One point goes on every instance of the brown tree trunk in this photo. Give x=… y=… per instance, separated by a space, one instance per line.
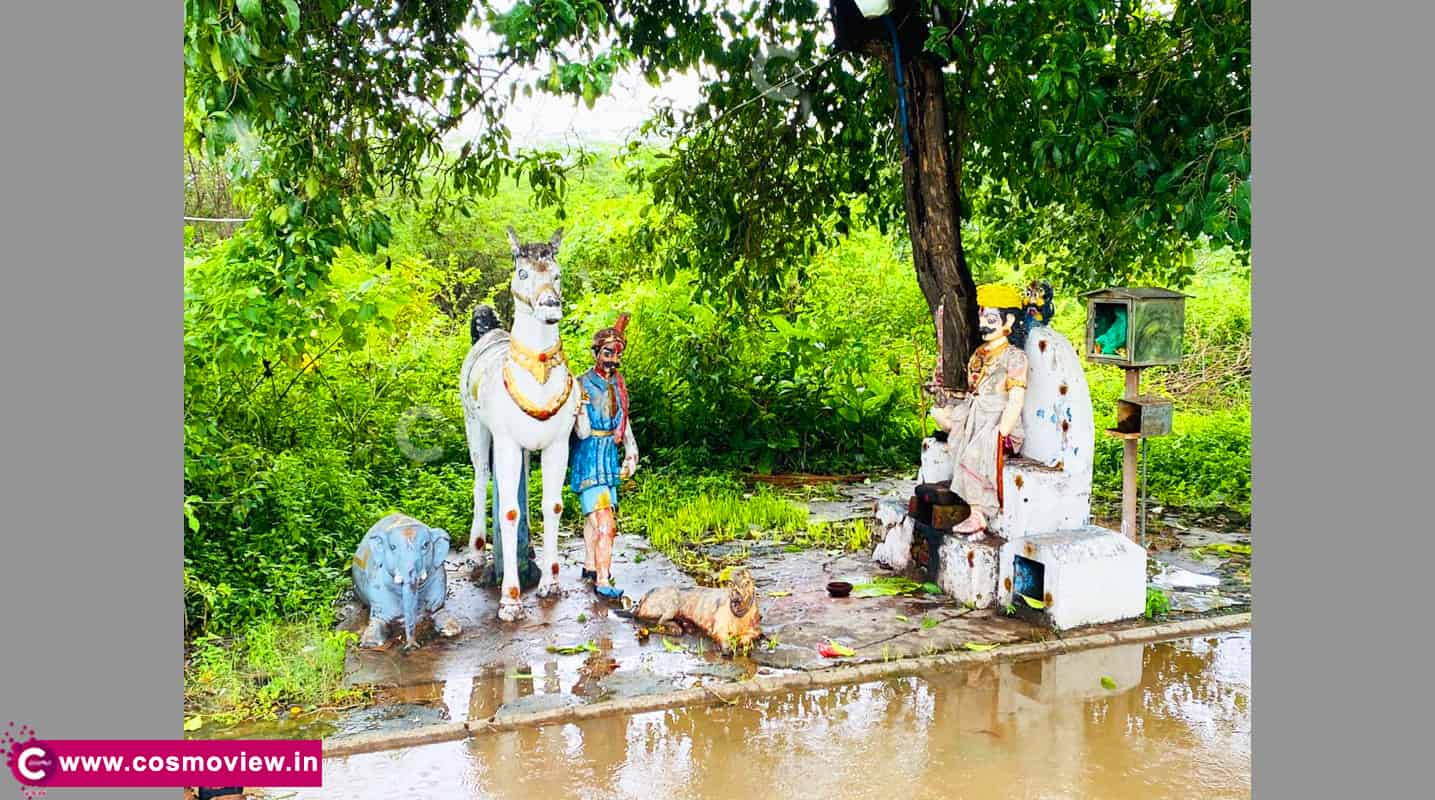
x=931 y=177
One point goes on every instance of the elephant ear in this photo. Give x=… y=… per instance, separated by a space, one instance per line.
x=440 y=547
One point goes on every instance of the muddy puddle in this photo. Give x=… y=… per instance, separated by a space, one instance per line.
x=1171 y=719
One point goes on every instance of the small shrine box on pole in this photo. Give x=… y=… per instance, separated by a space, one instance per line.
x=1134 y=327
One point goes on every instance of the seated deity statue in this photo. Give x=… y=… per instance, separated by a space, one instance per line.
x=985 y=424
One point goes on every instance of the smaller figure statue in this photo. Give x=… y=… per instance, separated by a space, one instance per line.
x=986 y=423
x=1113 y=337
x=398 y=573
x=594 y=465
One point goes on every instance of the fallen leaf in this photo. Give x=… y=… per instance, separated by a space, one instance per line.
x=673 y=647
x=931 y=588
x=901 y=618
x=782 y=593
x=573 y=649
x=979 y=648
x=1108 y=682
x=1033 y=602
x=929 y=623
x=522 y=676
x=193 y=723
x=833 y=649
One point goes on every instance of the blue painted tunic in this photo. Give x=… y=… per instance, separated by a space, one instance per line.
x=595 y=461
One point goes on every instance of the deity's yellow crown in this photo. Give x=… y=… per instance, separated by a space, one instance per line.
x=996 y=295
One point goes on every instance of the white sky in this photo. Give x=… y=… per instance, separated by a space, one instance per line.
x=547 y=119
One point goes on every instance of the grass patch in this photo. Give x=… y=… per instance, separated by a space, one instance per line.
x=272 y=667
x=681 y=514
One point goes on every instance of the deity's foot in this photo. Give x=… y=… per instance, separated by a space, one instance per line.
x=975 y=523
x=609 y=592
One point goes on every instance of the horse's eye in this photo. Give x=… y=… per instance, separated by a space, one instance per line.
x=523 y=274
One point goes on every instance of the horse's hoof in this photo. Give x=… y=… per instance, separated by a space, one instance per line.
x=550 y=589
x=510 y=612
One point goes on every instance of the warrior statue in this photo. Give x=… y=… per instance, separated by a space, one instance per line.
x=986 y=423
x=594 y=464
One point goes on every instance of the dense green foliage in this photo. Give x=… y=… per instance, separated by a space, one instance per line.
x=1108 y=135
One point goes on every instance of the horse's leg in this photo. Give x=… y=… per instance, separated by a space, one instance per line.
x=555 y=468
x=507 y=463
x=479 y=440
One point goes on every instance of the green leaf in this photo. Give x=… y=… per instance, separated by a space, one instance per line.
x=1034 y=603
x=979 y=648
x=901 y=618
x=573 y=649
x=842 y=649
x=931 y=588
x=929 y=623
x=193 y=723
x=216 y=60
x=673 y=647
x=291 y=15
x=251 y=10
x=1108 y=682
x=522 y=676
x=279 y=215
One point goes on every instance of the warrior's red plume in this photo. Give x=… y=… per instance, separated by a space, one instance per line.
x=621 y=324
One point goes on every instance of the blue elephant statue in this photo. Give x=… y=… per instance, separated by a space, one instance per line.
x=399 y=574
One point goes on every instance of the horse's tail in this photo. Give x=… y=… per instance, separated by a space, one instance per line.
x=484 y=320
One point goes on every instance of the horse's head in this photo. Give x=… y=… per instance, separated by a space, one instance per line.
x=536 y=286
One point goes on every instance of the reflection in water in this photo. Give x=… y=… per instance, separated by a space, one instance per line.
x=1176 y=725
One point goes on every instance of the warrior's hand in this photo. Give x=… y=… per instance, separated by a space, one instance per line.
x=630 y=465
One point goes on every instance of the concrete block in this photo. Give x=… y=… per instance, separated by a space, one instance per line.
x=968 y=569
x=1040 y=499
x=1085 y=576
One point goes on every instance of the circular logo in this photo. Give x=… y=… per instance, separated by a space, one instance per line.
x=758 y=72
x=401 y=434
x=33 y=763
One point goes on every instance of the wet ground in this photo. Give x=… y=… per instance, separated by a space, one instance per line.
x=494 y=669
x=1171 y=719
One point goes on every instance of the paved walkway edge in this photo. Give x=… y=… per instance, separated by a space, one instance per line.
x=780 y=684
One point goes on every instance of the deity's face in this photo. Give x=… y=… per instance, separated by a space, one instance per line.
x=608 y=357
x=993 y=324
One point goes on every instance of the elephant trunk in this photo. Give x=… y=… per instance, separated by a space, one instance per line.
x=411 y=614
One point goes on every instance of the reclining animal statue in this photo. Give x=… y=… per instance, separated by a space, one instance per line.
x=399 y=574
x=730 y=616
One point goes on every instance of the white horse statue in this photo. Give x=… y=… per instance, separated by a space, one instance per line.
x=518 y=397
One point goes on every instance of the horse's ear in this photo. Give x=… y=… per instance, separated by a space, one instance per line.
x=513 y=241
x=557 y=237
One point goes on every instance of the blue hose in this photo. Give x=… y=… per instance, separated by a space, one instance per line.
x=901 y=84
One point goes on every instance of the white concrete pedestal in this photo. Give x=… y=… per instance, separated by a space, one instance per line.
x=1090 y=575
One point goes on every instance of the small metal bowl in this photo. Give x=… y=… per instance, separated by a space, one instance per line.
x=839 y=588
